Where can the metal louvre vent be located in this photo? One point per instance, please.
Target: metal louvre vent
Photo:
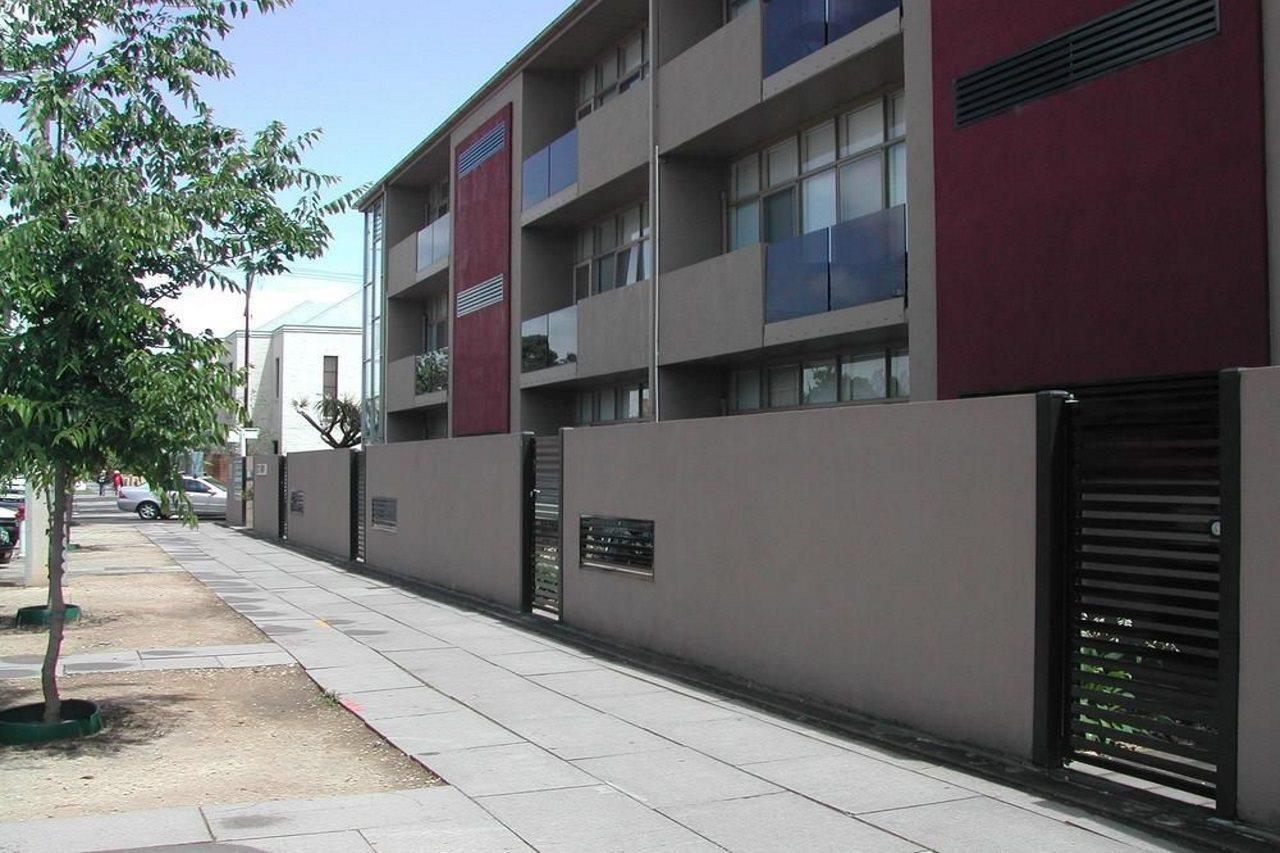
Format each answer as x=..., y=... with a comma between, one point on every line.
x=481, y=296
x=1118, y=40
x=616, y=544
x=297, y=502
x=383, y=512
x=482, y=149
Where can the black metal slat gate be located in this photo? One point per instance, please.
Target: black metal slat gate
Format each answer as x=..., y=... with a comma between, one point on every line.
x=543, y=559
x=1146, y=694
x=284, y=497
x=359, y=487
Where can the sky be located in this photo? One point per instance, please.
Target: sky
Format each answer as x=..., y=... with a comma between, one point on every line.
x=377, y=76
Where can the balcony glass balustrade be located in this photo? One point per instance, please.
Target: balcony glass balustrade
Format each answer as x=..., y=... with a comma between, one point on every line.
x=853, y=263
x=431, y=372
x=549, y=340
x=433, y=241
x=793, y=29
x=551, y=170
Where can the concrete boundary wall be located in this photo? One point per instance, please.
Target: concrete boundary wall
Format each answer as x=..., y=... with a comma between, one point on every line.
x=881, y=558
x=459, y=505
x=323, y=480
x=1259, y=737
x=266, y=495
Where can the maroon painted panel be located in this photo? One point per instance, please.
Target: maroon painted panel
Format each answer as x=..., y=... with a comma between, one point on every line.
x=480, y=395
x=1115, y=229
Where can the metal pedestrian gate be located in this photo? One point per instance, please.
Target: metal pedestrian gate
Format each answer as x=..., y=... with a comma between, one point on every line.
x=544, y=474
x=1150, y=584
x=359, y=486
x=284, y=497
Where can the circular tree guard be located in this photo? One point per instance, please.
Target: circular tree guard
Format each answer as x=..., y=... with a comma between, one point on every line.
x=38, y=616
x=24, y=724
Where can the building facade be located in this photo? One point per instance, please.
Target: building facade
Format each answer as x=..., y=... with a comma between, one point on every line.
x=668, y=210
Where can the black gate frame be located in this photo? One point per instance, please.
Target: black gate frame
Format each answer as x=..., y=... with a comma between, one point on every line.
x=1049, y=745
x=528, y=525
x=283, y=530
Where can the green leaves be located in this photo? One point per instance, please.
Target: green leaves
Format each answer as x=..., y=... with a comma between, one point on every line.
x=117, y=190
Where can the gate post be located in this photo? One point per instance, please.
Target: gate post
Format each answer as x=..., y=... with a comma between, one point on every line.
x=1052, y=461
x=528, y=484
x=353, y=507
x=1229, y=591
x=282, y=527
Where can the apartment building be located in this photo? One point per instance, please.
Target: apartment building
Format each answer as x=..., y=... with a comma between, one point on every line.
x=692, y=208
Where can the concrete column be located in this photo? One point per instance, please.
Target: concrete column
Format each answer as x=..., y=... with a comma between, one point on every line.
x=922, y=314
x=35, y=540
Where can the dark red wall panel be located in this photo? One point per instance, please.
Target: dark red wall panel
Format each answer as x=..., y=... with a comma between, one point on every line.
x=480, y=396
x=1116, y=229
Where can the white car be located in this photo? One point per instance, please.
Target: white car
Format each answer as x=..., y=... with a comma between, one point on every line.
x=208, y=499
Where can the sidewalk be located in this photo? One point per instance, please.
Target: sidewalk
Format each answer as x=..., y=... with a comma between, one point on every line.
x=549, y=748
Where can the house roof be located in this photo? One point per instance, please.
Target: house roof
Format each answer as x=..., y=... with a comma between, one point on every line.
x=328, y=315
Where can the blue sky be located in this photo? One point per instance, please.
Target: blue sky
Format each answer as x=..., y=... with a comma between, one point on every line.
x=377, y=76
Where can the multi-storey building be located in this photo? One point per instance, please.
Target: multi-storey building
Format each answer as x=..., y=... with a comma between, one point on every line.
x=668, y=209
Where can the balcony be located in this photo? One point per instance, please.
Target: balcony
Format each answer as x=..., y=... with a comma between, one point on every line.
x=713, y=308
x=434, y=242
x=431, y=372
x=550, y=340
x=794, y=29
x=551, y=171
x=854, y=263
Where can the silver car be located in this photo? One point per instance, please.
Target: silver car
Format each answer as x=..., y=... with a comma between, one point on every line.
x=208, y=499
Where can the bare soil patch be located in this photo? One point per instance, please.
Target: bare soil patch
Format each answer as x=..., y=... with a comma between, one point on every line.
x=129, y=612
x=116, y=546
x=195, y=737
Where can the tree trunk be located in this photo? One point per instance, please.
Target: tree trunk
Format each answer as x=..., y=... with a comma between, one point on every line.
x=59, y=526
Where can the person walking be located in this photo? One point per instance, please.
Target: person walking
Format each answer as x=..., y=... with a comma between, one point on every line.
x=117, y=481
x=102, y=483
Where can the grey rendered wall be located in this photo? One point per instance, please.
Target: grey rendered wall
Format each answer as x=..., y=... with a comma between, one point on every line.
x=879, y=557
x=1259, y=753
x=614, y=139
x=459, y=510
x=922, y=266
x=613, y=330
x=324, y=478
x=692, y=197
x=266, y=495
x=713, y=308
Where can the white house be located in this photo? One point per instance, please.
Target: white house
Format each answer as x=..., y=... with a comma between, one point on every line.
x=308, y=352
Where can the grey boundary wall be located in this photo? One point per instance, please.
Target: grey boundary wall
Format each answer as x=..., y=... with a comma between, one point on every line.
x=881, y=558
x=323, y=477
x=1259, y=735
x=459, y=508
x=266, y=495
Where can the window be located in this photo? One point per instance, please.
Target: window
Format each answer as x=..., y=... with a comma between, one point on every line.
x=614, y=252
x=841, y=169
x=279, y=379
x=371, y=350
x=615, y=71
x=435, y=333
x=855, y=377
x=330, y=377
x=613, y=403
x=194, y=487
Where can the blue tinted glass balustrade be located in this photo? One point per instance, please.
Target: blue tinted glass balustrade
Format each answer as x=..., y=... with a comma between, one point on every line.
x=854, y=263
x=869, y=258
x=551, y=170
x=793, y=29
x=433, y=241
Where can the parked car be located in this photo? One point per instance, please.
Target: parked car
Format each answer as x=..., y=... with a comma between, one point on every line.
x=10, y=525
x=208, y=499
x=14, y=495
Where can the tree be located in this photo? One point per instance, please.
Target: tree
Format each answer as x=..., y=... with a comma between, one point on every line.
x=332, y=414
x=119, y=190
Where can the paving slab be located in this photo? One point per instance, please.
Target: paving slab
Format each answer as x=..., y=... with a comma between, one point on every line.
x=590, y=819
x=542, y=662
x=376, y=705
x=856, y=783
x=783, y=823
x=985, y=824
x=744, y=740
x=444, y=732
x=105, y=832
x=512, y=769
x=587, y=734
x=331, y=814
x=676, y=776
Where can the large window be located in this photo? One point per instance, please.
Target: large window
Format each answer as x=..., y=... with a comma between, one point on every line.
x=371, y=355
x=612, y=404
x=613, y=252
x=847, y=378
x=613, y=72
x=842, y=168
x=435, y=332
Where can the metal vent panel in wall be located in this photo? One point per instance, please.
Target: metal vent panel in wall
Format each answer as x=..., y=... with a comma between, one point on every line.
x=616, y=544
x=1118, y=40
x=481, y=296
x=383, y=512
x=481, y=150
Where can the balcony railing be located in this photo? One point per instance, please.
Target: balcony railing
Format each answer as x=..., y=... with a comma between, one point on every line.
x=433, y=241
x=551, y=170
x=854, y=263
x=549, y=340
x=431, y=372
x=793, y=29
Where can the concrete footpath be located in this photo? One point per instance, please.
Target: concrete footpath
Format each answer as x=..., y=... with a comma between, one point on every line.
x=546, y=747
